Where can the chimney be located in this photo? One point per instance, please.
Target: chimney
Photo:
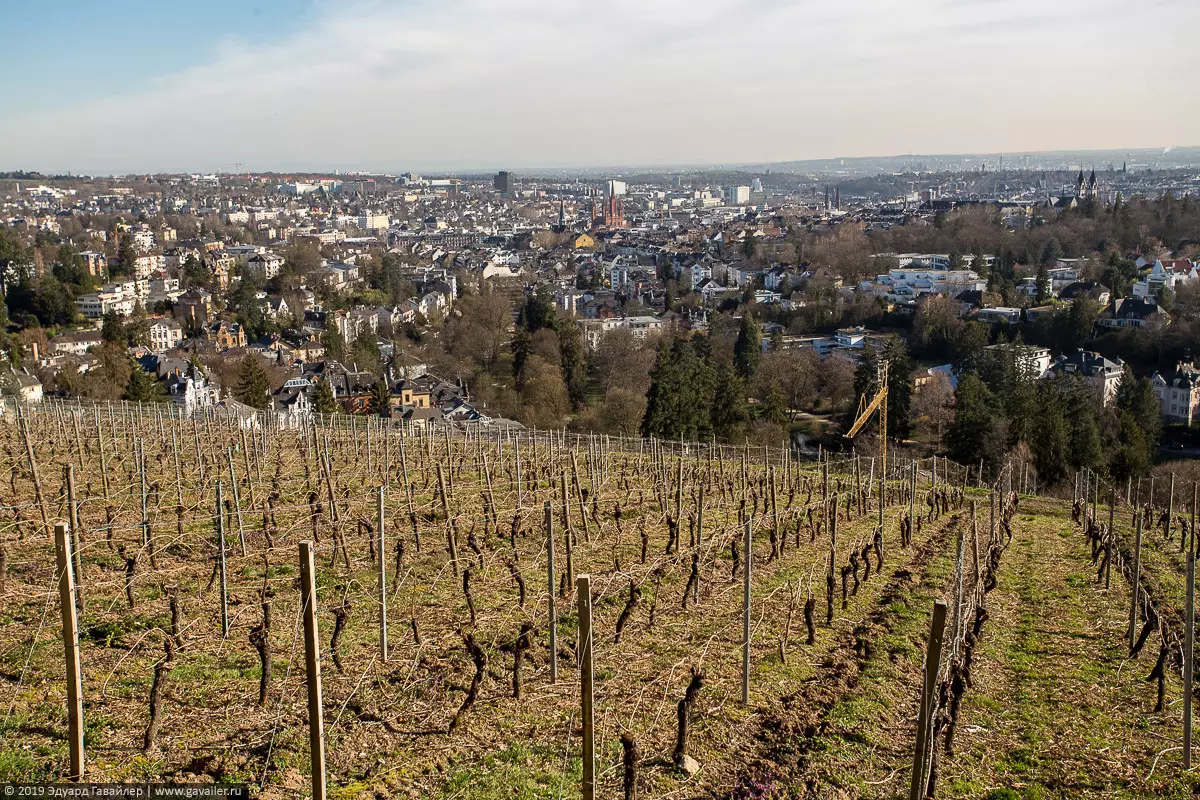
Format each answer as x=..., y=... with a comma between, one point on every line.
x=35, y=352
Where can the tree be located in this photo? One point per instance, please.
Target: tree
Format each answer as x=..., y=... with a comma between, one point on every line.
x=477, y=330
x=682, y=390
x=253, y=387
x=728, y=403
x=538, y=312
x=195, y=274
x=1049, y=437
x=112, y=329
x=774, y=408
x=899, y=400
x=380, y=399
x=979, y=430
x=572, y=359
x=621, y=360
x=933, y=406
x=622, y=410
x=1079, y=409
x=1043, y=284
x=545, y=402
x=1138, y=398
x=125, y=258
x=142, y=387
x=335, y=344
x=747, y=350
x=1133, y=451
x=324, y=401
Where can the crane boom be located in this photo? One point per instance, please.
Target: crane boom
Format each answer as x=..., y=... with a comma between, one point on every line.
x=865, y=414
x=878, y=403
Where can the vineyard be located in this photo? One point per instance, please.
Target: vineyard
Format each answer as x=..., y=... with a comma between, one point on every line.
x=490, y=609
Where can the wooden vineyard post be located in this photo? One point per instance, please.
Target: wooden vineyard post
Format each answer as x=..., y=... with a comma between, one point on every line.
x=70, y=636
x=1137, y=574
x=583, y=594
x=933, y=660
x=517, y=463
x=746, y=570
x=1188, y=644
x=312, y=666
x=1170, y=508
x=912, y=501
x=383, y=633
x=73, y=521
x=450, y=526
x=237, y=503
x=220, y=522
x=699, y=535
x=551, y=588
x=882, y=501
x=33, y=473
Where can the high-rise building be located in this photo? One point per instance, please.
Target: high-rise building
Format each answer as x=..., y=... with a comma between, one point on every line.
x=503, y=182
x=737, y=195
x=616, y=189
x=756, y=185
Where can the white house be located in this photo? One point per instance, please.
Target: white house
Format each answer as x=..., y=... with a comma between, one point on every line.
x=164, y=334
x=1166, y=275
x=1178, y=394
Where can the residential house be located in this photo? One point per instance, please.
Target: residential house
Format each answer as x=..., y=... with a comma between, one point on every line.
x=1132, y=312
x=1179, y=394
x=1165, y=274
x=1089, y=289
x=23, y=386
x=1003, y=314
x=114, y=298
x=1102, y=375
x=76, y=343
x=310, y=351
x=263, y=266
x=164, y=333
x=194, y=308
x=227, y=335
x=95, y=262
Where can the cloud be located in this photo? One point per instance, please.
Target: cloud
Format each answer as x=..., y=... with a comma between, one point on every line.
x=485, y=83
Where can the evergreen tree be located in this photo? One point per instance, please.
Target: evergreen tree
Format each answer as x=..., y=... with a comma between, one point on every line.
x=1137, y=397
x=522, y=347
x=774, y=408
x=253, y=387
x=979, y=430
x=125, y=258
x=537, y=312
x=1049, y=437
x=747, y=350
x=335, y=344
x=728, y=403
x=324, y=401
x=380, y=398
x=899, y=402
x=681, y=394
x=662, y=399
x=1132, y=452
x=572, y=360
x=1079, y=407
x=142, y=387
x=112, y=329
x=1043, y=284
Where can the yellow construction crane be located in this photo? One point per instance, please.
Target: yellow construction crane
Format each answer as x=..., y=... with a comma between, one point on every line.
x=865, y=410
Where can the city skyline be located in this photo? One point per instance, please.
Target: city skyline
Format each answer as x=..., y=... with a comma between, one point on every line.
x=476, y=85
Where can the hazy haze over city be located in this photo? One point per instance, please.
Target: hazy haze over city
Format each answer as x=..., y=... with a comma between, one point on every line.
x=472, y=84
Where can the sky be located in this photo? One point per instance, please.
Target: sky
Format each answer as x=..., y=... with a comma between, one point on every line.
x=315, y=85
